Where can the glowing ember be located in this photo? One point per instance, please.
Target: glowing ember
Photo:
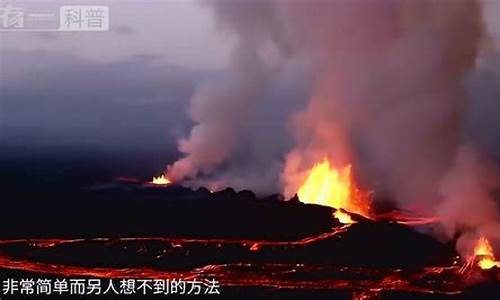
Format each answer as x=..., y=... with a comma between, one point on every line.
x=161, y=180
x=484, y=252
x=487, y=263
x=343, y=217
x=332, y=187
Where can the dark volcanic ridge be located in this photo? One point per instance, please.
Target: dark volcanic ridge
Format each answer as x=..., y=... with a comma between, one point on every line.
x=128, y=229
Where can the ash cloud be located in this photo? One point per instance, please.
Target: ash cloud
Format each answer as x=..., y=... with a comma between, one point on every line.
x=223, y=109
x=468, y=207
x=385, y=92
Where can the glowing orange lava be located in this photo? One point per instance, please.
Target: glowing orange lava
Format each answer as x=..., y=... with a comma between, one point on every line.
x=484, y=253
x=162, y=180
x=326, y=185
x=343, y=217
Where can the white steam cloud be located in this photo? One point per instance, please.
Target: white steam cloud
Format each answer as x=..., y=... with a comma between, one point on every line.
x=223, y=109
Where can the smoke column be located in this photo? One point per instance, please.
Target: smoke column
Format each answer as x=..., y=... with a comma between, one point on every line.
x=468, y=207
x=389, y=91
x=389, y=97
x=386, y=95
x=221, y=110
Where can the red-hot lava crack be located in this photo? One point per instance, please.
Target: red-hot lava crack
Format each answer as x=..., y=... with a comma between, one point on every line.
x=447, y=280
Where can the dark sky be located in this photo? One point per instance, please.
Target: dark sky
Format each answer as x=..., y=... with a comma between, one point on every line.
x=58, y=99
x=121, y=94
x=118, y=98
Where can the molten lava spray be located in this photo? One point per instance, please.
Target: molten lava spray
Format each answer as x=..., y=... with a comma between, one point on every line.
x=160, y=180
x=335, y=188
x=483, y=254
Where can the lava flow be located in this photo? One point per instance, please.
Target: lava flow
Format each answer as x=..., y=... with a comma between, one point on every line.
x=430, y=280
x=328, y=186
x=343, y=217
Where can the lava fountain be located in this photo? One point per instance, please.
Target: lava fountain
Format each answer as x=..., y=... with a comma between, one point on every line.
x=328, y=186
x=483, y=253
x=161, y=180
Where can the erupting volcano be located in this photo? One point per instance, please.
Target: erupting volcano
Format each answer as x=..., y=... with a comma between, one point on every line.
x=330, y=149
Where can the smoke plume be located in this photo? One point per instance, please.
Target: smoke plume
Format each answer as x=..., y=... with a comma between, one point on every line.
x=386, y=95
x=468, y=207
x=221, y=110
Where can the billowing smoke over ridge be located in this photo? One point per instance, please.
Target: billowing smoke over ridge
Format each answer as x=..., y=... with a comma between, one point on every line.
x=386, y=95
x=223, y=109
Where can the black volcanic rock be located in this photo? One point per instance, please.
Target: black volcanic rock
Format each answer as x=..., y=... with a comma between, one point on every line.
x=246, y=195
x=176, y=211
x=121, y=209
x=365, y=245
x=295, y=198
x=382, y=244
x=274, y=198
x=203, y=191
x=227, y=193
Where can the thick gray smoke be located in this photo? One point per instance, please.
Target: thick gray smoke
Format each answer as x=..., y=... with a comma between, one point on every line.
x=386, y=94
x=468, y=206
x=222, y=109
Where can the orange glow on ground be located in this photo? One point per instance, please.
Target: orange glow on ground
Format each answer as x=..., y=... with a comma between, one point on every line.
x=343, y=217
